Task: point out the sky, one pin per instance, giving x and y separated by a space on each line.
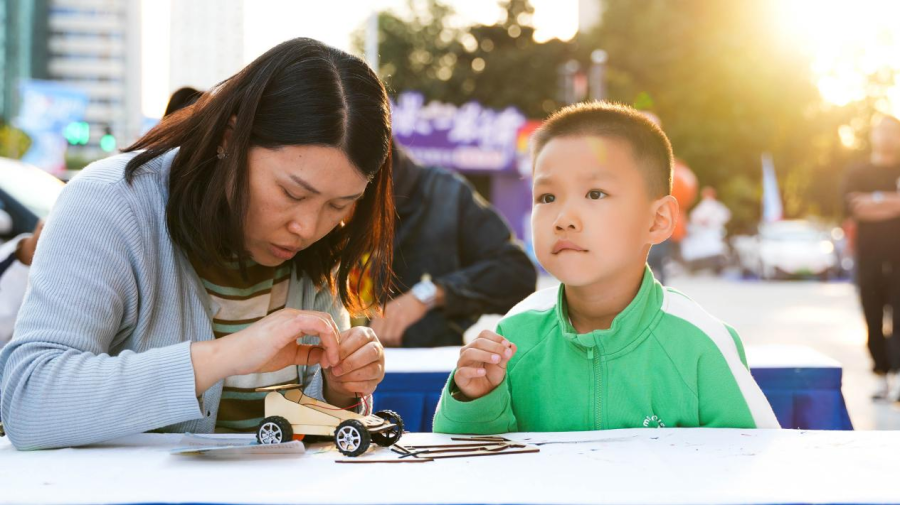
269 22
847 40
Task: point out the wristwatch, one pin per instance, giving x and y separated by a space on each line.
425 291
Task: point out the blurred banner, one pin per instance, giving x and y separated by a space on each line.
466 138
771 199
45 111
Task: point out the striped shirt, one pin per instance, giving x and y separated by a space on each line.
103 339
243 299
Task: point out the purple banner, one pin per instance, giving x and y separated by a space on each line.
466 138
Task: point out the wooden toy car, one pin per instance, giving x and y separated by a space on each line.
292 416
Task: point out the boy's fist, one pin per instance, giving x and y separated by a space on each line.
482 365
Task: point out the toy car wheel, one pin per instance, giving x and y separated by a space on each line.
352 438
392 436
274 430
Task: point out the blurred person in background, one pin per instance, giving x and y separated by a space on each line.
15 262
181 98
704 246
872 201
684 190
455 258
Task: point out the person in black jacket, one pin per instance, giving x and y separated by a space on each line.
872 199
455 258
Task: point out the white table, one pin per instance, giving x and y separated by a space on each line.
622 466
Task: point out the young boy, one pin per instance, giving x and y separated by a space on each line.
611 347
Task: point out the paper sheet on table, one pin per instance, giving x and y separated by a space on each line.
231 446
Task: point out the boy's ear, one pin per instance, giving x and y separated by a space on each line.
665 215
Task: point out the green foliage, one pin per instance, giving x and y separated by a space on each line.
727 89
13 142
726 86
498 65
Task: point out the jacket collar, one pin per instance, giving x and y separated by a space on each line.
628 327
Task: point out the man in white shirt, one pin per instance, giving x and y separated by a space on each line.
705 241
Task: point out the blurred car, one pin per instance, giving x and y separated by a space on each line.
27 194
793 248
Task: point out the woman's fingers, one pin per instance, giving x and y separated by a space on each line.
309 355
359 348
360 388
369 353
309 324
370 372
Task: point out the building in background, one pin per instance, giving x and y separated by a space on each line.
589 14
95 46
23 49
207 42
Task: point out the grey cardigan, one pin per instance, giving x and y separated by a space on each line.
101 348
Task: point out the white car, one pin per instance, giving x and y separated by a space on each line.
26 193
794 248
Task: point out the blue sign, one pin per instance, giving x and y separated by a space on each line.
46 109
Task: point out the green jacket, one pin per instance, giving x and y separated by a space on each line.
664 362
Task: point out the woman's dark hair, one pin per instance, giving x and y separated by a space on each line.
181 98
299 93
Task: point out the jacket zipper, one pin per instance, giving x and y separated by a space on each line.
595 358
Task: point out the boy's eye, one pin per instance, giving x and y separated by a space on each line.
596 194
546 198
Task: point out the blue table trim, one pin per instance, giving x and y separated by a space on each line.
802 398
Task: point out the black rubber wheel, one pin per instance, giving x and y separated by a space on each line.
274 430
391 437
352 438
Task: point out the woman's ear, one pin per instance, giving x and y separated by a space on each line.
665 216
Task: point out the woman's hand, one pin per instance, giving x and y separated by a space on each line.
267 345
360 370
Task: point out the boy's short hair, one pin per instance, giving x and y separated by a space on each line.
651 147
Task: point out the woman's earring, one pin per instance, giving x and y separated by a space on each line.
220 153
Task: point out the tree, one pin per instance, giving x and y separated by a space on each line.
727 90
725 86
418 53
497 65
13 142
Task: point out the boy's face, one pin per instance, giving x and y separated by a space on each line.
592 214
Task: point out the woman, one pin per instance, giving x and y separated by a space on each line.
157 268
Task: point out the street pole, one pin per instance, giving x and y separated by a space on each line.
598 74
372 41
567 72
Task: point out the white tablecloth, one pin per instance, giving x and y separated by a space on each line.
623 466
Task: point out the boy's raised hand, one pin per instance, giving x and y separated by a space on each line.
482 364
